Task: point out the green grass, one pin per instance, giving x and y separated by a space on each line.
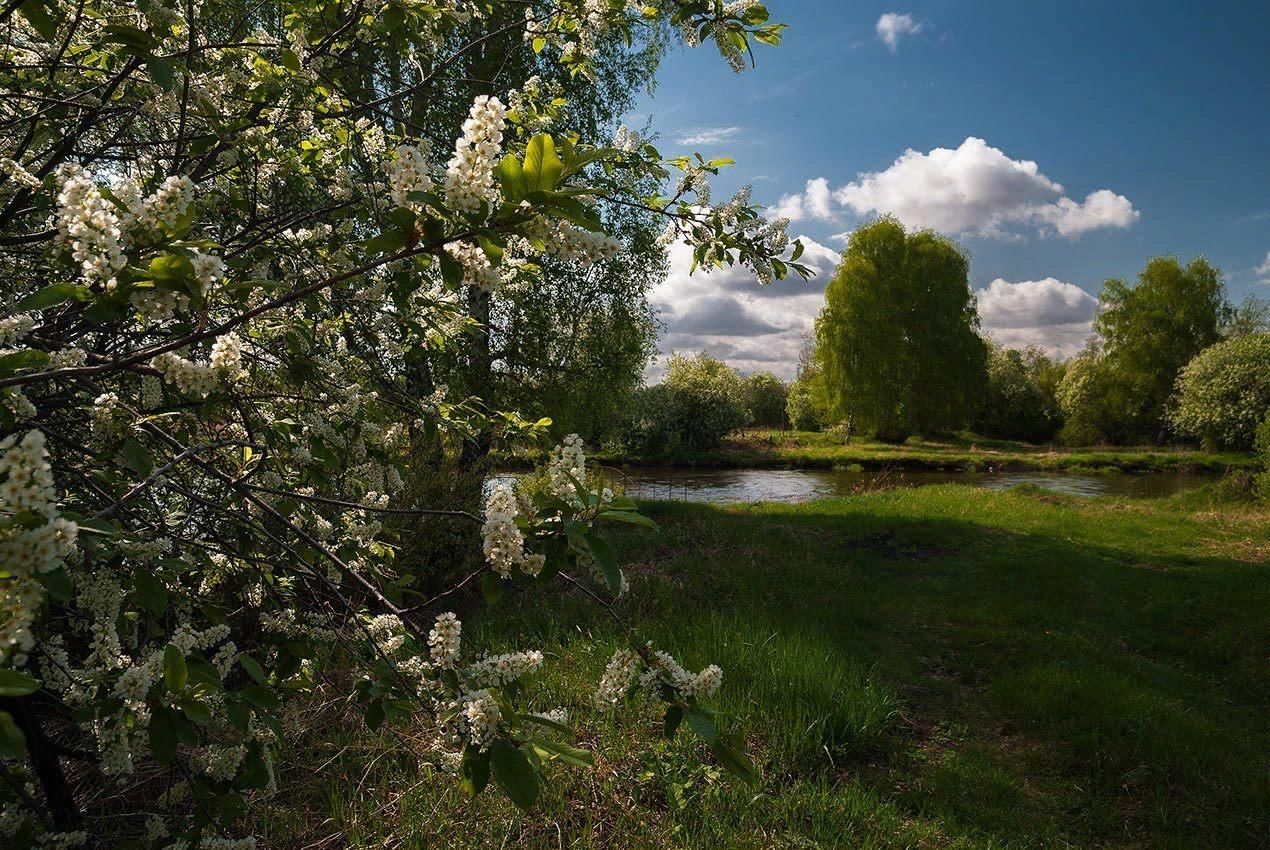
931 667
824 450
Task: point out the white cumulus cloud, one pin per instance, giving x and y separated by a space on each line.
974 189
1263 271
893 26
1056 315
729 314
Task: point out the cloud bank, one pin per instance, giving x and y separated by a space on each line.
973 189
729 314
1051 313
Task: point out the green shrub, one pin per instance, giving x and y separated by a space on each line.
801 407
765 398
1224 393
1014 406
700 399
1263 454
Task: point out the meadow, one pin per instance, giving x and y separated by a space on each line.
929 667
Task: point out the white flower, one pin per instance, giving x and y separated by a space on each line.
469 176
444 640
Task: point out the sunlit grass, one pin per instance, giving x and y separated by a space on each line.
940 667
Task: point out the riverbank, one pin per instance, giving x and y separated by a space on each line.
770 449
934 667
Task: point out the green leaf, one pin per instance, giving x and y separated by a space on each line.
674 716
542 166
154 596
130 37
474 771
734 761
204 673
28 359
163 734
16 684
387 242
58 584
137 457
628 517
604 559
12 740
42 16
491 587
451 269
51 296
564 752
375 715
543 721
175 672
260 697
253 668
513 773
512 178
289 60
704 727
196 710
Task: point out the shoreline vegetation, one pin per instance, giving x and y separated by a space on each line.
933 667
776 449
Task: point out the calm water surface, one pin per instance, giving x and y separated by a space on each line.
800 485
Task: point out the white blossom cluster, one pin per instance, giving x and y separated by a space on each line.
89 227
200 379
409 171
496 670
14 328
503 542
477 270
627 140
586 246
28 547
629 671
469 176
163 208
567 469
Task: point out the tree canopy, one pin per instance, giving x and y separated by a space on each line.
898 337
1149 331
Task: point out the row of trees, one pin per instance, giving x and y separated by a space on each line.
699 400
897 350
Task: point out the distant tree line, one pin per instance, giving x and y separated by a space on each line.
898 350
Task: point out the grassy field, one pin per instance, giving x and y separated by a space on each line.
932 667
769 448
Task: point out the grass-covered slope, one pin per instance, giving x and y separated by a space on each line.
933 667
824 450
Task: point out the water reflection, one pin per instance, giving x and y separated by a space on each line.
800 485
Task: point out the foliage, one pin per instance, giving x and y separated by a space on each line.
803 411
898 337
1262 446
1015 405
831 613
699 400
1149 331
242 244
1250 317
765 396
1224 393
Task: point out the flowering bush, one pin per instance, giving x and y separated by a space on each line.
1224 393
233 237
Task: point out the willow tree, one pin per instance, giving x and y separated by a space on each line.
231 247
897 340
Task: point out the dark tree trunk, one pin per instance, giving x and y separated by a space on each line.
44 761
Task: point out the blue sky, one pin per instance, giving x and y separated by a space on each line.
1158 109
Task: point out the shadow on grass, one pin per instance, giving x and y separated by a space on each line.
1097 679
943 667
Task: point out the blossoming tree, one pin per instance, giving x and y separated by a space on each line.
224 246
